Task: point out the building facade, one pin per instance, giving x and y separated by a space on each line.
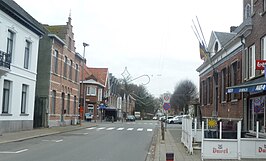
93 89
254 58
57 92
239 94
19 43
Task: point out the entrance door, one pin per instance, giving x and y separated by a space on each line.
62 107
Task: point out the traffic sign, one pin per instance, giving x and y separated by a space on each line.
166 106
166 98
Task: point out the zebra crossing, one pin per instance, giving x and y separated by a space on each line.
120 129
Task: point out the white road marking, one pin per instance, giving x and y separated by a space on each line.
130 129
140 129
101 128
57 141
149 129
11 152
91 128
120 129
110 128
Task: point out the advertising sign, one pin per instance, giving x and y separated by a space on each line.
260 64
218 150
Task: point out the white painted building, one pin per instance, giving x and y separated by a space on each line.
19 43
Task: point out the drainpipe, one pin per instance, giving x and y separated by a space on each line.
244 100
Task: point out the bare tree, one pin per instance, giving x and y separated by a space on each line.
185 92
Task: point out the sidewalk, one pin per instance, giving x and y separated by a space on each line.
169 145
24 135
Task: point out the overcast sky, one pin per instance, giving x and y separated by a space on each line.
152 37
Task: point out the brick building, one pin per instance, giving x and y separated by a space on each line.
95 82
254 84
240 89
57 91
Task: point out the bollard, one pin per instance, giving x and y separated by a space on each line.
162 129
169 156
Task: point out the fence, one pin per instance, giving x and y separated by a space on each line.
187 135
217 148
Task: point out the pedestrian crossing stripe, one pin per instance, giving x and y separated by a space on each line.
91 128
120 129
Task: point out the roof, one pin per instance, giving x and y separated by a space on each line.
224 37
98 74
59 30
12 9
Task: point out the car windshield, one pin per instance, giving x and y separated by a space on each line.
104 80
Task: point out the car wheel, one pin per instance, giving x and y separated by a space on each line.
171 122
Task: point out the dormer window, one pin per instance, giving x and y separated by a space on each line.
247 11
216 47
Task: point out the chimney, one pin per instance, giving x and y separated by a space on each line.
232 28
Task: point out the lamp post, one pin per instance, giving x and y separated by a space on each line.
82 75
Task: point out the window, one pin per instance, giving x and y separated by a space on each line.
68 103
63 104
247 11
233 80
27 54
10 42
208 90
251 64
53 102
264 5
70 70
65 67
100 93
216 47
91 90
263 48
69 43
74 104
56 61
77 73
6 96
24 98
204 91
223 84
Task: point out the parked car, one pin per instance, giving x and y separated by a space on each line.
168 117
130 118
175 120
88 116
155 118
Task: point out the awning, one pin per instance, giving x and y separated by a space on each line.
256 85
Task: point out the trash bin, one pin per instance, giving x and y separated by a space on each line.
169 156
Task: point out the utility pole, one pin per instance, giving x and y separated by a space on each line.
82 75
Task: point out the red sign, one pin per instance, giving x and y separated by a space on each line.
260 64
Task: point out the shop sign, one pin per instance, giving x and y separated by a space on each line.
220 150
260 64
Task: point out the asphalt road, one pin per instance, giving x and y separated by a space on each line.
106 142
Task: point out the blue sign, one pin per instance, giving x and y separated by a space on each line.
255 88
166 106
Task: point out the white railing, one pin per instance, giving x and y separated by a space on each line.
238 148
187 135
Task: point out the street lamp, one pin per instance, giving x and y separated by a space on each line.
83 91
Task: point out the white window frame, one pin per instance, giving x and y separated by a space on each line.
100 93
56 54
91 91
24 98
27 54
6 101
264 5
251 55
